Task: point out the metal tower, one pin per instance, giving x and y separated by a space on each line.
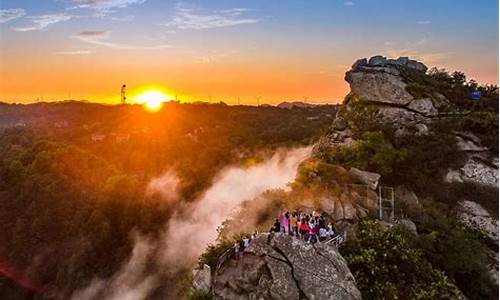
123 97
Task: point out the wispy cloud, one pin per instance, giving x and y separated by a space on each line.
197 18
75 52
101 38
430 58
423 22
349 3
10 14
104 7
43 21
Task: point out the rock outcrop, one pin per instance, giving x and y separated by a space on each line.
277 266
475 170
474 216
380 83
369 178
202 279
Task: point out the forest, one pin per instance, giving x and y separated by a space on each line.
73 178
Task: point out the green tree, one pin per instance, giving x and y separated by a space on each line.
386 265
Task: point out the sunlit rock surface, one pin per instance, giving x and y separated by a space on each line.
283 267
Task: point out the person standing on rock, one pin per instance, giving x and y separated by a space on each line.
242 249
237 250
276 226
284 223
304 229
293 224
323 234
331 231
312 235
246 242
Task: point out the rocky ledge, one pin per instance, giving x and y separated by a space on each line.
381 82
278 266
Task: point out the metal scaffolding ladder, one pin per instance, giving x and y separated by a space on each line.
386 203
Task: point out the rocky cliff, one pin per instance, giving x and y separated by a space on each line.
282 267
390 89
278 266
382 84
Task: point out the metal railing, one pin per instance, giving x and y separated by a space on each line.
338 239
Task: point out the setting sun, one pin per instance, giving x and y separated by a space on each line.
153 100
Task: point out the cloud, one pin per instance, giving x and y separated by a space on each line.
196 18
349 3
75 52
193 226
104 7
100 38
191 232
43 21
93 33
423 22
210 58
130 282
165 186
10 14
430 58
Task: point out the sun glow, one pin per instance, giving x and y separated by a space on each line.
153 100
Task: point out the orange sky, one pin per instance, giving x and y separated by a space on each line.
225 50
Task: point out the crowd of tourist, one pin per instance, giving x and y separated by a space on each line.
308 227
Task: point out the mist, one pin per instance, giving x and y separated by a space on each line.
194 226
190 232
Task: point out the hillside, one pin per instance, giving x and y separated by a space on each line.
75 178
413 134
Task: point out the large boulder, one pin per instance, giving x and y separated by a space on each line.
408 225
278 266
468 142
382 84
423 106
474 216
202 279
406 198
378 86
369 178
476 170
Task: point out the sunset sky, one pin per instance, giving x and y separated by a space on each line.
222 50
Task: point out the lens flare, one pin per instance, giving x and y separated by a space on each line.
153 100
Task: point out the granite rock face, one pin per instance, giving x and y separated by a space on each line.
380 83
474 216
278 266
369 178
202 279
475 170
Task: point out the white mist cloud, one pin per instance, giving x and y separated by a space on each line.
194 226
130 283
165 185
189 234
